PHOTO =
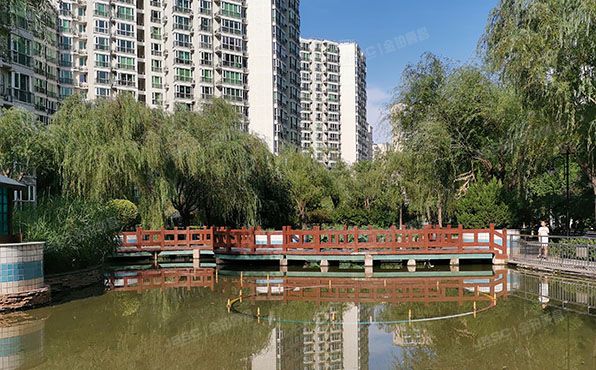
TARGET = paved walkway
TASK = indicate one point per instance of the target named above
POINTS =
(555, 264)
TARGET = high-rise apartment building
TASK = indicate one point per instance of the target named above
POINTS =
(166, 53)
(333, 93)
(274, 65)
(28, 56)
(185, 52)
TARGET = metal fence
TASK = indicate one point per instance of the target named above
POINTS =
(557, 252)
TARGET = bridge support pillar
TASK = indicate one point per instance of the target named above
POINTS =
(324, 266)
(196, 258)
(411, 265)
(368, 261)
(454, 268)
(283, 269)
(283, 262)
(454, 262)
(499, 261)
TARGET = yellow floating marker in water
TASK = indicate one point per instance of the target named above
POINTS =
(241, 279)
(410, 315)
(229, 305)
(474, 309)
(240, 295)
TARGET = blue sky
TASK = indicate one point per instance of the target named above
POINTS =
(395, 33)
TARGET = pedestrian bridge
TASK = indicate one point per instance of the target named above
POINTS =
(366, 245)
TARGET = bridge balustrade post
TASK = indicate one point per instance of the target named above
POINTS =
(139, 238)
(460, 238)
(491, 238)
(356, 239)
(316, 235)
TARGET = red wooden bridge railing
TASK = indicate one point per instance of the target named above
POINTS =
(288, 241)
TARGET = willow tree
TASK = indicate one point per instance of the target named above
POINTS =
(547, 50)
(23, 144)
(220, 174)
(109, 149)
(310, 183)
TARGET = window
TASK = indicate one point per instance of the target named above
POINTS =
(125, 46)
(207, 75)
(101, 26)
(125, 13)
(182, 57)
(102, 92)
(156, 65)
(231, 10)
(126, 62)
(102, 43)
(156, 82)
(102, 77)
(126, 29)
(101, 10)
(4, 211)
(181, 23)
(156, 33)
(183, 92)
(183, 74)
(102, 60)
(182, 40)
(230, 26)
(232, 77)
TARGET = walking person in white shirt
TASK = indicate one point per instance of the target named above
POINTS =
(543, 232)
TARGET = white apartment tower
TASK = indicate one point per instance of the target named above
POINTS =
(274, 82)
(333, 92)
(171, 53)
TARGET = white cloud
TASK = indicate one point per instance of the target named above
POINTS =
(378, 99)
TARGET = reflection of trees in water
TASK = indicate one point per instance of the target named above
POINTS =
(512, 334)
(152, 329)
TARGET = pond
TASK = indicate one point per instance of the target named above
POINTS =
(194, 319)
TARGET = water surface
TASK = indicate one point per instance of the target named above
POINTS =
(178, 318)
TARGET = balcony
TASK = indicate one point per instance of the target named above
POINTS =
(126, 83)
(126, 50)
(102, 81)
(101, 47)
(101, 13)
(182, 26)
(125, 33)
(207, 79)
(129, 67)
(22, 95)
(155, 20)
(231, 81)
(227, 13)
(102, 64)
(183, 44)
(157, 102)
(205, 11)
(101, 30)
(186, 96)
(180, 9)
(183, 78)
(21, 58)
(66, 80)
(156, 36)
(233, 31)
(182, 61)
(157, 53)
(233, 97)
(125, 17)
(156, 3)
(65, 63)
(157, 85)
(156, 69)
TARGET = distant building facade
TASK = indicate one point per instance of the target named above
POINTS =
(333, 94)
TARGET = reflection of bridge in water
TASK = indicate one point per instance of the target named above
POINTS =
(473, 286)
(556, 291)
